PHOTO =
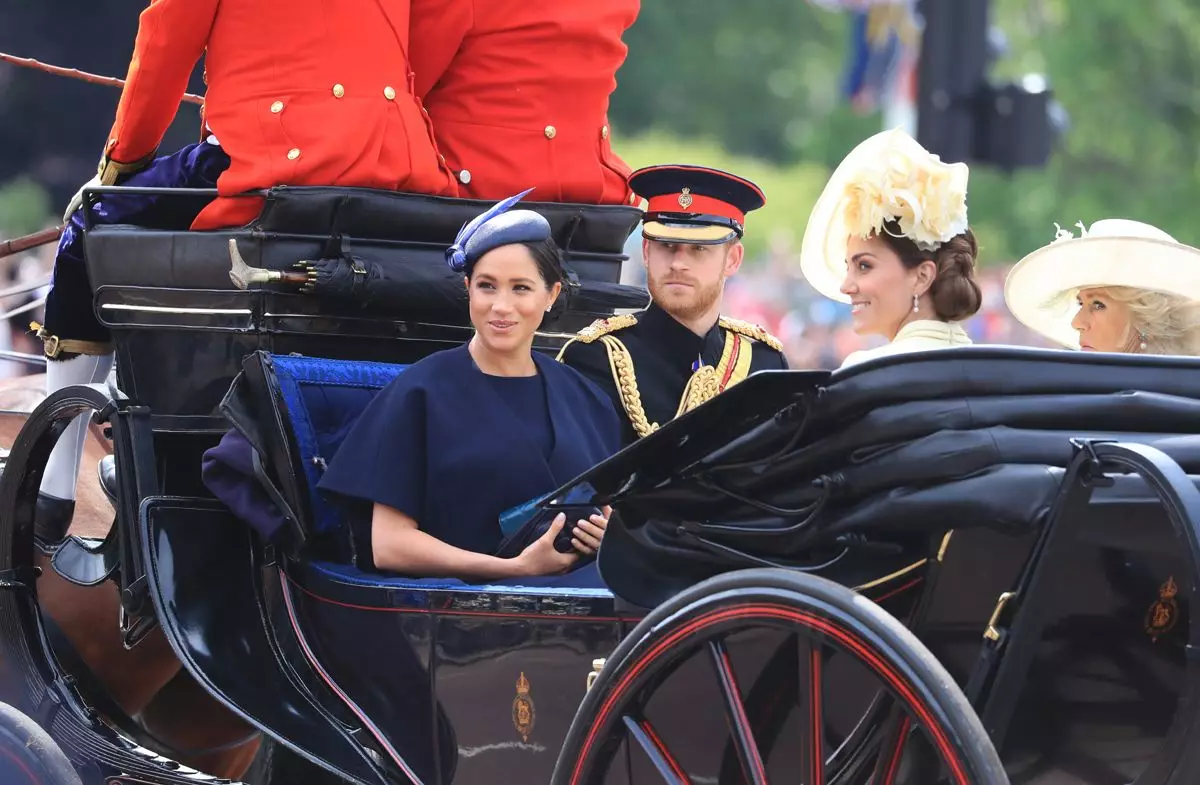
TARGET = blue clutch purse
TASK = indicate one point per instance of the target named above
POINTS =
(512, 519)
(524, 524)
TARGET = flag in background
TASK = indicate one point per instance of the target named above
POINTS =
(885, 39)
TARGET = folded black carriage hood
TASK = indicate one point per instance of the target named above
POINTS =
(787, 464)
(916, 394)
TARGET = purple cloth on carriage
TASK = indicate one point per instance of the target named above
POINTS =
(228, 471)
(69, 310)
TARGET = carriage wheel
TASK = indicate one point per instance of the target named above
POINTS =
(698, 625)
(28, 756)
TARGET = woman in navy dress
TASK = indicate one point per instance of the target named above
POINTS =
(467, 433)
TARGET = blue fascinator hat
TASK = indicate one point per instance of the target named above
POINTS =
(496, 227)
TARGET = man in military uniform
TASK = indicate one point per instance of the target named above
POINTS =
(680, 351)
(300, 92)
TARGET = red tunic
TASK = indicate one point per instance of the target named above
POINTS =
(301, 92)
(518, 91)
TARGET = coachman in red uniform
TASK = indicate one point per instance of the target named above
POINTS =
(519, 90)
(300, 92)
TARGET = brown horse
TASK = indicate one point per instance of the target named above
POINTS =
(148, 682)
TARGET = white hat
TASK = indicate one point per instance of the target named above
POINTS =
(1040, 289)
(887, 177)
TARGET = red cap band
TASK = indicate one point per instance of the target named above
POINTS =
(695, 204)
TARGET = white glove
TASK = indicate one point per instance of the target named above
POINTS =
(77, 200)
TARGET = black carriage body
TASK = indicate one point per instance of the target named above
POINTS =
(961, 455)
(923, 481)
(935, 555)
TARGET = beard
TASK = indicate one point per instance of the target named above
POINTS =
(685, 304)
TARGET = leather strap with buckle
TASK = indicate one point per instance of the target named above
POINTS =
(53, 346)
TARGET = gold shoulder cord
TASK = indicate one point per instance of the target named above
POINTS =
(704, 385)
(621, 364)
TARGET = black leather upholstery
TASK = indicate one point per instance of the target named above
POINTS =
(167, 295)
(313, 223)
(417, 218)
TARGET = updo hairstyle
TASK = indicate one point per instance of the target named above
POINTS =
(954, 292)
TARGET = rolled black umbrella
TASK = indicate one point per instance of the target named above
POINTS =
(420, 287)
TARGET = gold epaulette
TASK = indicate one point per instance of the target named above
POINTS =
(751, 331)
(602, 327)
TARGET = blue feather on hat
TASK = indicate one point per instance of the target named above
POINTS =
(494, 228)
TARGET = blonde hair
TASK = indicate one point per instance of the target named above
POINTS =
(1166, 323)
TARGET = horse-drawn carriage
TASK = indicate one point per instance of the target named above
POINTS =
(967, 566)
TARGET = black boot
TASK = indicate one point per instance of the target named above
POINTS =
(108, 477)
(51, 521)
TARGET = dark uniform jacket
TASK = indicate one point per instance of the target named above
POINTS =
(654, 368)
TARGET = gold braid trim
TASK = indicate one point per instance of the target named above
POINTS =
(751, 331)
(701, 387)
(705, 383)
(741, 366)
(602, 327)
(621, 365)
(597, 330)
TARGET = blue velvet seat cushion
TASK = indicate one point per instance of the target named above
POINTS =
(324, 398)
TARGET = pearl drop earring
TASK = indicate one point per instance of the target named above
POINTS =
(916, 304)
(1142, 345)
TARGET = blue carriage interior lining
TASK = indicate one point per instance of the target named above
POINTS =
(322, 399)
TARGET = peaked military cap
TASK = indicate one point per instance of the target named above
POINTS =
(694, 204)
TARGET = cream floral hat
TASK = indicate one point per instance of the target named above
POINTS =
(887, 177)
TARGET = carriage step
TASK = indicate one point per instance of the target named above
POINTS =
(86, 561)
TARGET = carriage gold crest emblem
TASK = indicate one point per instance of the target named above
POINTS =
(1164, 613)
(522, 709)
(685, 198)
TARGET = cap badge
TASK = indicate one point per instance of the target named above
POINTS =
(685, 198)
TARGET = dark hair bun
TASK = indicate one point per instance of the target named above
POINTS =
(955, 293)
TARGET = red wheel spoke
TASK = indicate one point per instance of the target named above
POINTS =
(810, 698)
(735, 715)
(655, 750)
(906, 688)
(891, 749)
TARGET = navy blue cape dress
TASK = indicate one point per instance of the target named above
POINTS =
(453, 448)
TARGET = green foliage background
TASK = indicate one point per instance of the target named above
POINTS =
(754, 86)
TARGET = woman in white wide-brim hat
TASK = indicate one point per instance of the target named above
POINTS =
(1121, 286)
(889, 236)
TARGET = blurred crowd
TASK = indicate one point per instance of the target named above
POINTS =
(23, 271)
(816, 332)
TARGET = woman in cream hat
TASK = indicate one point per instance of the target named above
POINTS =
(1121, 286)
(889, 235)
